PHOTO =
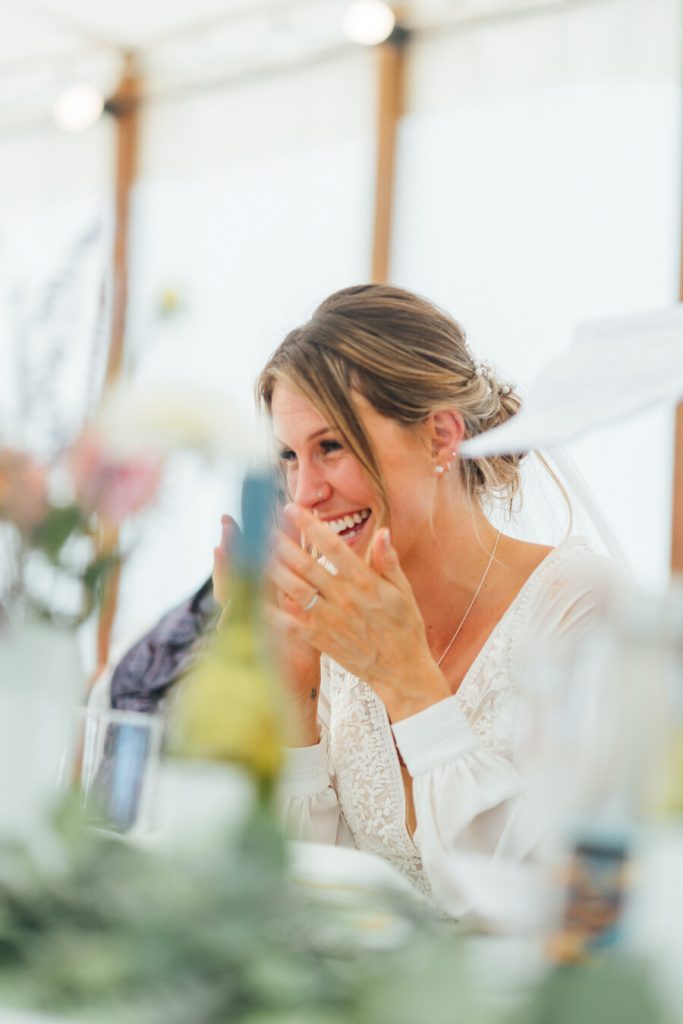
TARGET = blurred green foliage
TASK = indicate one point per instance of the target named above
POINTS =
(116, 934)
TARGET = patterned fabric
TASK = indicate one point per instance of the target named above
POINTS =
(362, 757)
(143, 676)
(368, 775)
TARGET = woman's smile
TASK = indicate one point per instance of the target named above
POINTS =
(348, 525)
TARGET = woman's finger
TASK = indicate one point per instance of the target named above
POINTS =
(325, 540)
(293, 586)
(221, 559)
(385, 561)
(221, 575)
(303, 565)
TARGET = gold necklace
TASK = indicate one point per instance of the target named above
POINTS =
(471, 604)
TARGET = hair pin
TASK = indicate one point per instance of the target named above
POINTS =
(482, 369)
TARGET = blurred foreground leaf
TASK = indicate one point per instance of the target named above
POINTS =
(117, 935)
(52, 533)
(616, 991)
(123, 935)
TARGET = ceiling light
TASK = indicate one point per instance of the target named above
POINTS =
(77, 107)
(369, 22)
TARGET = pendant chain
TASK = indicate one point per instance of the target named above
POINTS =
(471, 604)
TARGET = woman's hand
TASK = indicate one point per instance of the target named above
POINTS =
(299, 663)
(221, 560)
(365, 616)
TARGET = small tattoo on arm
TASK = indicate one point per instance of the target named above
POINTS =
(314, 693)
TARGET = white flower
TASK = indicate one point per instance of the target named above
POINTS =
(163, 419)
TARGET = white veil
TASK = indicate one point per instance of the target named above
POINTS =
(555, 501)
(613, 368)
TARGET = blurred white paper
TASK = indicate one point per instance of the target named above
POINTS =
(613, 368)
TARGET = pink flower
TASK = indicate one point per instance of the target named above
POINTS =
(23, 489)
(114, 488)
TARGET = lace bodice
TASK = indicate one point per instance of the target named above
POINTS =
(460, 752)
(367, 774)
(363, 757)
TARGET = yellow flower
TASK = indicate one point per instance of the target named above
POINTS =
(229, 709)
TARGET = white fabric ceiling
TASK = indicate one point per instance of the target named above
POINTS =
(47, 44)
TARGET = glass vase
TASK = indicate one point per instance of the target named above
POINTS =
(41, 681)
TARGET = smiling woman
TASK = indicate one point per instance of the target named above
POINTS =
(404, 608)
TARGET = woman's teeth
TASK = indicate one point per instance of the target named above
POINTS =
(349, 521)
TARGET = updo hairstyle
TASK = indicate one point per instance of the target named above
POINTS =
(408, 359)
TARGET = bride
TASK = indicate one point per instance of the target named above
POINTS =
(407, 612)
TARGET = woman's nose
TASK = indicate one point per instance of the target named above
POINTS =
(311, 487)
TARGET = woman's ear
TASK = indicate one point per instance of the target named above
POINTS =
(445, 430)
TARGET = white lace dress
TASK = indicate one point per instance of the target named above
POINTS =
(348, 789)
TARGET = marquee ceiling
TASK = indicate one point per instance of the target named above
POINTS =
(48, 44)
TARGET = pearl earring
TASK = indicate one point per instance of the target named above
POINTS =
(438, 469)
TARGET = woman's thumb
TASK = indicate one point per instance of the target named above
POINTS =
(384, 557)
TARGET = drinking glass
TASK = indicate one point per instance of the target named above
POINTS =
(117, 767)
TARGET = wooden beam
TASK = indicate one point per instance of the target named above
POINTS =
(677, 505)
(391, 64)
(124, 107)
(677, 469)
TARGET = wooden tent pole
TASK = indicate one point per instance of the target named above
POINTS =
(677, 506)
(391, 64)
(677, 495)
(124, 107)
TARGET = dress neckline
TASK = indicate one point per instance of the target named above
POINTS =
(517, 604)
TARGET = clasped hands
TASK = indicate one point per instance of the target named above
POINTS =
(365, 616)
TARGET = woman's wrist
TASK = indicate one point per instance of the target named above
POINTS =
(425, 686)
(302, 719)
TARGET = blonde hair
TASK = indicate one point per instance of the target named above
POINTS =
(407, 358)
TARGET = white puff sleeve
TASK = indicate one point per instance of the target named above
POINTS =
(308, 804)
(475, 830)
(469, 808)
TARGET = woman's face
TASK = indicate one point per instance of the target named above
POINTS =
(324, 476)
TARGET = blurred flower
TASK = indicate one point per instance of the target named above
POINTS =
(63, 521)
(227, 711)
(23, 489)
(113, 488)
(170, 303)
(66, 516)
(163, 418)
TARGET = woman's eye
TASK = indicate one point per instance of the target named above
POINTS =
(326, 447)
